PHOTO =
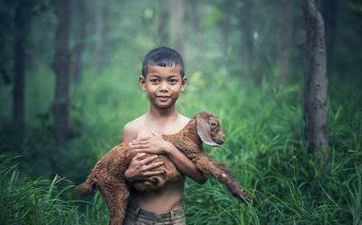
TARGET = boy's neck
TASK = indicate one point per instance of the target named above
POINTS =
(163, 114)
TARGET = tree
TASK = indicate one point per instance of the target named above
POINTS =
(163, 18)
(101, 30)
(6, 22)
(286, 26)
(194, 8)
(22, 24)
(225, 29)
(247, 38)
(177, 25)
(329, 15)
(80, 34)
(315, 105)
(61, 70)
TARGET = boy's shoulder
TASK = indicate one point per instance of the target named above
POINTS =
(131, 129)
(184, 119)
(136, 123)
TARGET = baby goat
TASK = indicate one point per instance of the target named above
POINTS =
(108, 174)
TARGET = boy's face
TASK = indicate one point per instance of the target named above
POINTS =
(163, 85)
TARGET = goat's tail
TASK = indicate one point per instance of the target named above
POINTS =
(85, 189)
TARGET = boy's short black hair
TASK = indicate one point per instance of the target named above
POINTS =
(163, 56)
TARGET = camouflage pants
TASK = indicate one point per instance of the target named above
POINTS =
(138, 216)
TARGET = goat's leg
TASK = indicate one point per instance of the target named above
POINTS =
(214, 169)
(115, 195)
(172, 174)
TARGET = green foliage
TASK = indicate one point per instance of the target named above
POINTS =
(41, 201)
(264, 149)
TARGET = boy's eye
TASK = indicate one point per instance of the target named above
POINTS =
(173, 81)
(154, 80)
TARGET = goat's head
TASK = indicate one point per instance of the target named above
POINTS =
(209, 129)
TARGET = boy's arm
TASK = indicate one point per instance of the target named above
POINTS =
(184, 164)
(157, 145)
(137, 169)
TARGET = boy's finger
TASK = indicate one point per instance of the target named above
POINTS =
(152, 173)
(152, 165)
(145, 150)
(142, 139)
(136, 147)
(154, 133)
(149, 159)
(139, 143)
(140, 155)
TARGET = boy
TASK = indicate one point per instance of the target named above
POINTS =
(163, 79)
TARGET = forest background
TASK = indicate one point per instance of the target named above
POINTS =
(69, 82)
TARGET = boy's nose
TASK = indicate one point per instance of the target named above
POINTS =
(163, 86)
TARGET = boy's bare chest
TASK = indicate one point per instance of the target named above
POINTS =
(147, 129)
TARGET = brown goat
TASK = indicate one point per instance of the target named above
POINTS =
(108, 174)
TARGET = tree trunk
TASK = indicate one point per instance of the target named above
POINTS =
(22, 16)
(195, 21)
(247, 39)
(100, 26)
(61, 70)
(315, 83)
(225, 30)
(80, 34)
(177, 25)
(329, 15)
(163, 18)
(286, 23)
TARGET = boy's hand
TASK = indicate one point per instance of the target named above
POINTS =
(142, 167)
(154, 144)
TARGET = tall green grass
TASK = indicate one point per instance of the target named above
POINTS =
(25, 201)
(264, 149)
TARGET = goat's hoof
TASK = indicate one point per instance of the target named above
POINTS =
(245, 197)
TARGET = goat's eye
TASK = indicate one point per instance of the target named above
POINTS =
(213, 124)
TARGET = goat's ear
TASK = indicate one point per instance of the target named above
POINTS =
(204, 130)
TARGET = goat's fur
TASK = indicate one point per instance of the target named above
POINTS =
(108, 174)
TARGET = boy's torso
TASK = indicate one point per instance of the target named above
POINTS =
(170, 196)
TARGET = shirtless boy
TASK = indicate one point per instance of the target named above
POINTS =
(163, 79)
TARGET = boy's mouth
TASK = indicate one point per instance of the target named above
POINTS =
(163, 97)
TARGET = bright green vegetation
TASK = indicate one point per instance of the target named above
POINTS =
(265, 150)
(265, 147)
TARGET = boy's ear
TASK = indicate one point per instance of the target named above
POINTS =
(184, 84)
(142, 82)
